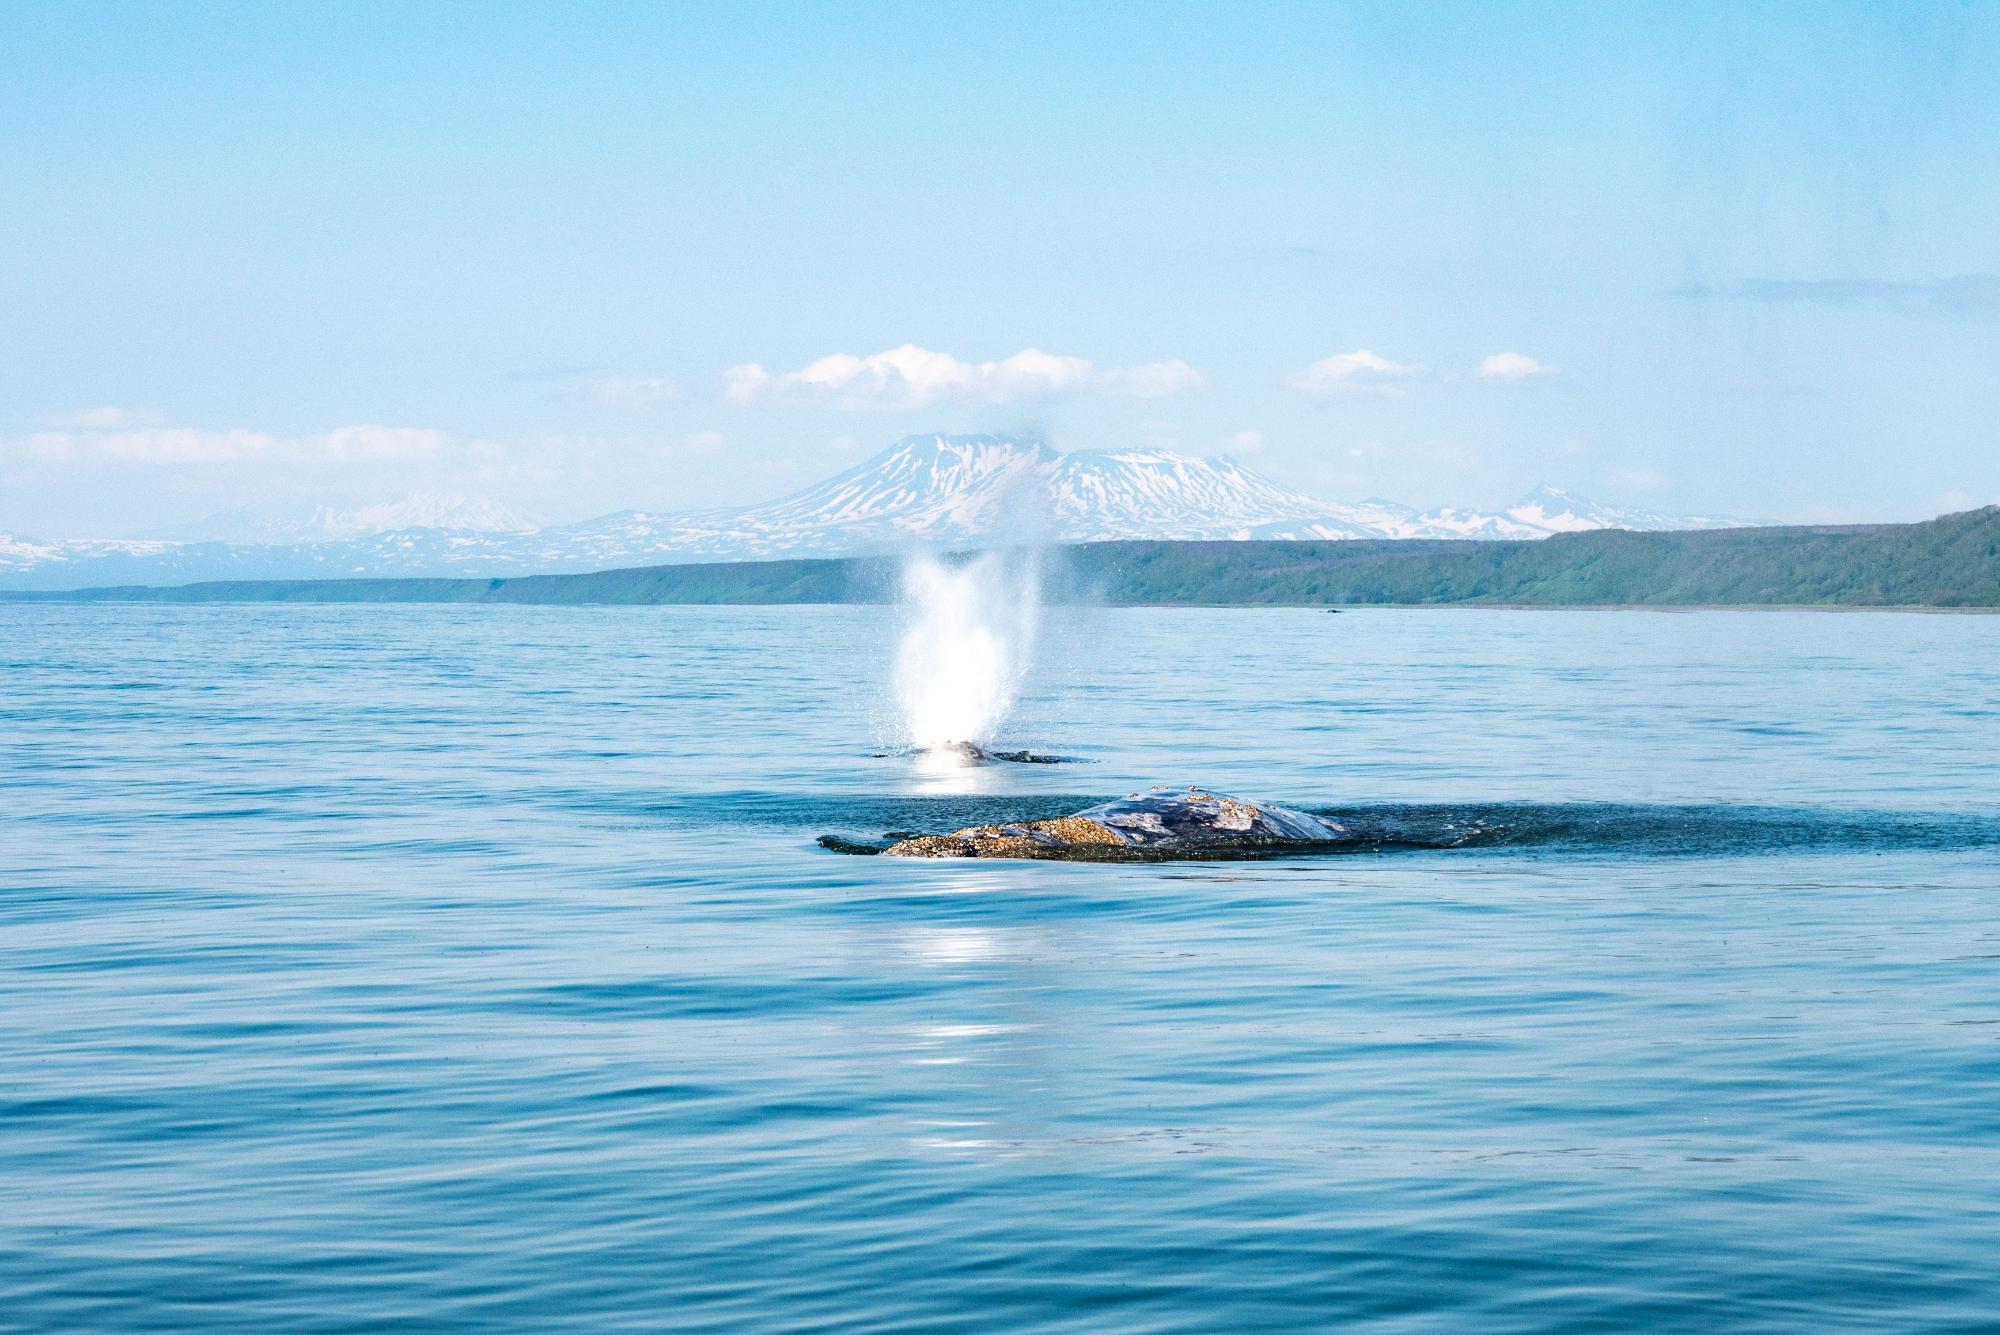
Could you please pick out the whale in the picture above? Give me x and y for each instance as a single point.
(971, 753)
(1161, 824)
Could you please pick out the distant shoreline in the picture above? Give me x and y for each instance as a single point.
(1949, 564)
(77, 598)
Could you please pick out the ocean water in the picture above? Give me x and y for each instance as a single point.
(477, 968)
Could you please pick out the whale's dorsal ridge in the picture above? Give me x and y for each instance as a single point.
(1159, 824)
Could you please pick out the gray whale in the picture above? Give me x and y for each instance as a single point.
(1163, 823)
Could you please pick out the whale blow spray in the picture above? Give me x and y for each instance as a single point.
(968, 635)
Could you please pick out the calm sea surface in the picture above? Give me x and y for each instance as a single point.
(472, 968)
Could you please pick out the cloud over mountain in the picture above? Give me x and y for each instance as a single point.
(1357, 371)
(102, 434)
(1512, 368)
(912, 377)
(1153, 380)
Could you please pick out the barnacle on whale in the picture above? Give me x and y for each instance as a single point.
(1158, 824)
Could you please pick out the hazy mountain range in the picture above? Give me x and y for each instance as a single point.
(934, 491)
(449, 512)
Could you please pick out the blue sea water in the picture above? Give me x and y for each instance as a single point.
(476, 968)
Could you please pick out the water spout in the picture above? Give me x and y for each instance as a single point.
(968, 636)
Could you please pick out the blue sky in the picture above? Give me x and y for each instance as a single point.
(1711, 258)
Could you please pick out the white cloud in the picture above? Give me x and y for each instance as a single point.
(1152, 380)
(704, 442)
(101, 418)
(1243, 442)
(369, 444)
(741, 384)
(632, 392)
(191, 445)
(1512, 368)
(1641, 479)
(1359, 370)
(174, 445)
(45, 446)
(911, 377)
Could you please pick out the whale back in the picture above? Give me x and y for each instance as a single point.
(1160, 823)
(1165, 818)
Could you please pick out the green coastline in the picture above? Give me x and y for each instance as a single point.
(1951, 563)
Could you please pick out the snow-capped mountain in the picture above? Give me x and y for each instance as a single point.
(1553, 510)
(936, 491)
(1100, 495)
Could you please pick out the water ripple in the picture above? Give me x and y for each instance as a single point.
(476, 968)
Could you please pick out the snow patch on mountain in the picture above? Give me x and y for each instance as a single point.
(1553, 510)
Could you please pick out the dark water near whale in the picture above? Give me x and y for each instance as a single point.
(477, 968)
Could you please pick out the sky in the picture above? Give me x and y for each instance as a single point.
(254, 258)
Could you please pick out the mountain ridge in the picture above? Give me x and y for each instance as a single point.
(923, 491)
(448, 511)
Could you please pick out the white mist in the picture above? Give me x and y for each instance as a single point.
(968, 636)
